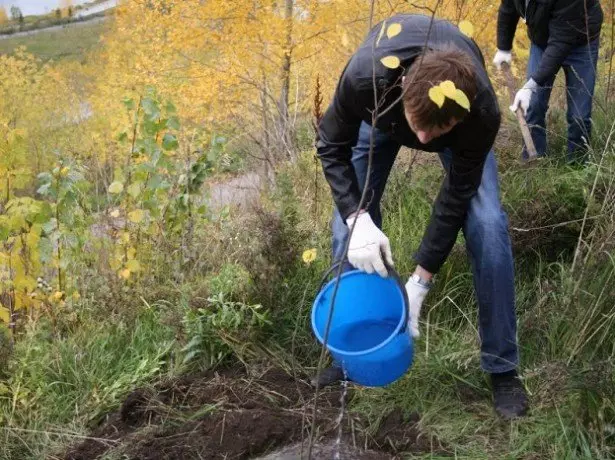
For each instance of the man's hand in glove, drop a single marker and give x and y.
(501, 57)
(524, 96)
(367, 245)
(417, 289)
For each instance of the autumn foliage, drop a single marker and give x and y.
(123, 135)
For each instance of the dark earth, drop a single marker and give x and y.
(231, 414)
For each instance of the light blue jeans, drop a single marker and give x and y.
(487, 242)
(580, 71)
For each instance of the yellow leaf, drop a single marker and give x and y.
(462, 99)
(58, 295)
(125, 237)
(5, 315)
(466, 28)
(64, 171)
(125, 274)
(136, 216)
(392, 62)
(115, 213)
(116, 187)
(133, 265)
(309, 255)
(115, 264)
(76, 295)
(448, 88)
(393, 30)
(436, 95)
(131, 253)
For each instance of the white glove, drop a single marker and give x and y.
(416, 295)
(524, 96)
(502, 57)
(367, 245)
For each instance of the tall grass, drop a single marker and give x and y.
(59, 388)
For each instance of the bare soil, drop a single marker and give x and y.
(233, 415)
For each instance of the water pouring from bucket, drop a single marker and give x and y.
(368, 335)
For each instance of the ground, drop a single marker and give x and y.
(233, 415)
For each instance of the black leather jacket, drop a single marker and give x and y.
(470, 141)
(556, 26)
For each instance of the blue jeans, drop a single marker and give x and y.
(487, 242)
(580, 71)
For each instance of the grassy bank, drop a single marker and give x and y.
(72, 42)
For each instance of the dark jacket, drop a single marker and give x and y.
(556, 26)
(470, 141)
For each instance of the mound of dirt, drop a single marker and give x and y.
(233, 415)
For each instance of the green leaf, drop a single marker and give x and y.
(170, 108)
(43, 214)
(122, 136)
(4, 231)
(44, 189)
(169, 142)
(129, 103)
(44, 177)
(173, 123)
(151, 127)
(151, 108)
(45, 247)
(50, 226)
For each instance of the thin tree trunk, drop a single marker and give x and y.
(285, 124)
(267, 149)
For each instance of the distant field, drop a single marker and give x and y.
(71, 42)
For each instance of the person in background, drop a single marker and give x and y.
(563, 33)
(460, 123)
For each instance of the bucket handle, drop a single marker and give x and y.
(391, 272)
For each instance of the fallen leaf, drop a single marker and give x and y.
(466, 28)
(393, 30)
(448, 88)
(462, 99)
(392, 62)
(436, 95)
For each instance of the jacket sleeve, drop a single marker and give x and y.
(567, 27)
(336, 136)
(460, 185)
(508, 18)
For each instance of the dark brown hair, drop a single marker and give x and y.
(434, 67)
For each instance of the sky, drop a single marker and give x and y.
(35, 6)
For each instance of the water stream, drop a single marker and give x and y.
(340, 417)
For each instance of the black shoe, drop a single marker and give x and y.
(328, 376)
(509, 395)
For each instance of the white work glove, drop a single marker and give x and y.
(502, 57)
(524, 96)
(416, 295)
(367, 245)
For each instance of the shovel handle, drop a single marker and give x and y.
(525, 130)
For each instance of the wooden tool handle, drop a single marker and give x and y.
(525, 130)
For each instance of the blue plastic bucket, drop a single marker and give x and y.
(368, 335)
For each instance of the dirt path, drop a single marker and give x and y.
(242, 191)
